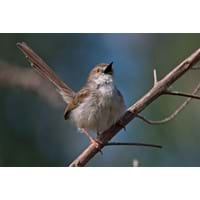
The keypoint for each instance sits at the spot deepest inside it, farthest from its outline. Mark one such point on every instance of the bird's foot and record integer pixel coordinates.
(97, 144)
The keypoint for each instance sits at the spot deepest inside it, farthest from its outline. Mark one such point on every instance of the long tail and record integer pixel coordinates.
(37, 63)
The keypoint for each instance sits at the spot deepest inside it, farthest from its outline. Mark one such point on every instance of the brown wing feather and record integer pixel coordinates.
(37, 63)
(77, 100)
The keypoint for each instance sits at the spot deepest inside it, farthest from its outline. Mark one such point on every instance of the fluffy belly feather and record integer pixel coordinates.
(99, 111)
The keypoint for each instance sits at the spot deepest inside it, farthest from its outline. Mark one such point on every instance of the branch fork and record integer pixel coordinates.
(179, 109)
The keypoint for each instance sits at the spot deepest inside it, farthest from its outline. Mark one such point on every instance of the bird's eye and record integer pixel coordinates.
(98, 70)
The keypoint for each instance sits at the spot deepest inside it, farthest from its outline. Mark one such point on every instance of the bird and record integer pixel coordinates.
(96, 106)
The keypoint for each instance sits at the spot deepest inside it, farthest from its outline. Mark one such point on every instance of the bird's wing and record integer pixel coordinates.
(77, 100)
(40, 66)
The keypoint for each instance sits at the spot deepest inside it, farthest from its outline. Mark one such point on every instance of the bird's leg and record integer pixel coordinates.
(99, 142)
(96, 142)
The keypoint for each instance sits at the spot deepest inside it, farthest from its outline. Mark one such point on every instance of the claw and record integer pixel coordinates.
(97, 144)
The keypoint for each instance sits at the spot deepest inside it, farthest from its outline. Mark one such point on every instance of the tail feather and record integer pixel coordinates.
(40, 66)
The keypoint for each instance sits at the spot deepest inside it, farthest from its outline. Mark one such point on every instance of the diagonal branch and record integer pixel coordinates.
(158, 89)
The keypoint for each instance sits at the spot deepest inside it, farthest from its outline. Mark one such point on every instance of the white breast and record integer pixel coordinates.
(99, 111)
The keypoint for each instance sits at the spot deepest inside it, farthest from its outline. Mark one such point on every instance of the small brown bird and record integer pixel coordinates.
(97, 106)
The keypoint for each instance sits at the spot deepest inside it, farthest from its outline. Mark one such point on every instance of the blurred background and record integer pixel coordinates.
(33, 131)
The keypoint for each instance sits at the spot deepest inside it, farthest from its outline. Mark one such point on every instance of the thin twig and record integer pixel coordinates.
(155, 77)
(195, 68)
(136, 163)
(132, 144)
(174, 114)
(177, 93)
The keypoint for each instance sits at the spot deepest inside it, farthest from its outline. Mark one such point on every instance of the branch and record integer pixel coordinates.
(132, 144)
(176, 93)
(174, 114)
(158, 89)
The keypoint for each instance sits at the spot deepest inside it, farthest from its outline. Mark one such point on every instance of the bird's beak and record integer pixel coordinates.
(109, 69)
